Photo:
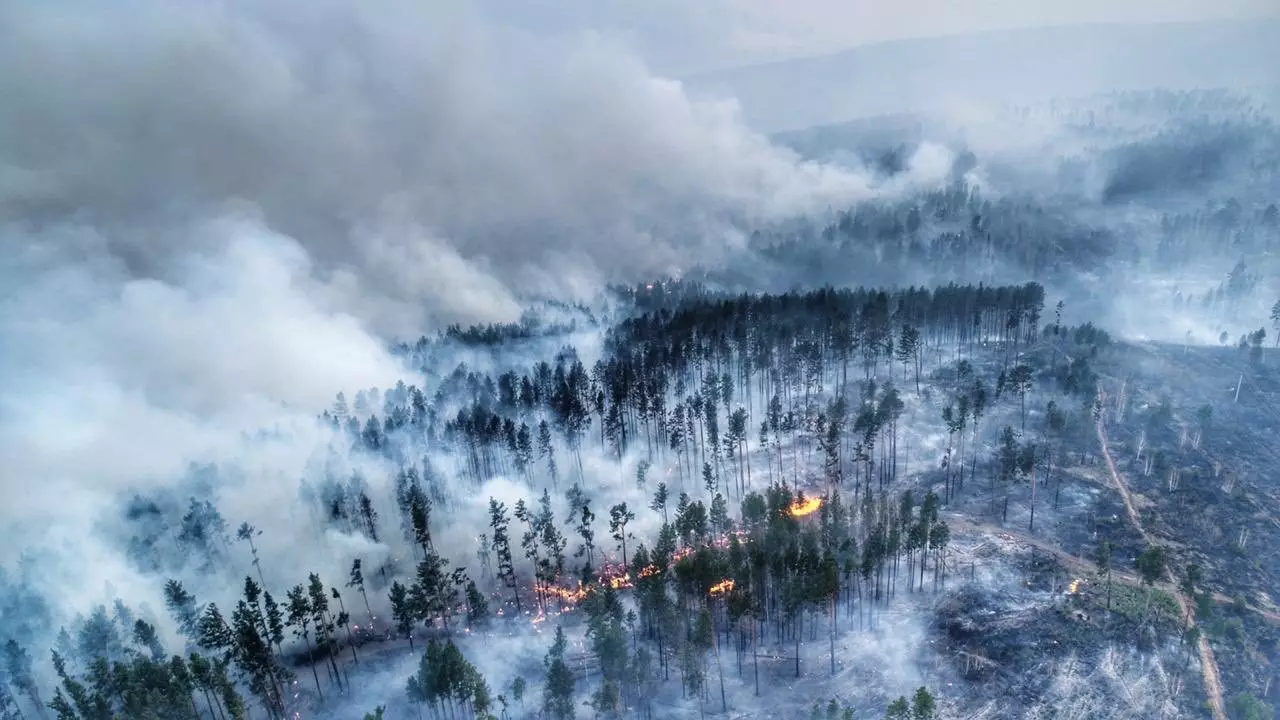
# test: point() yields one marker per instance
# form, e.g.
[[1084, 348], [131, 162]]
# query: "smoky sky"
[[494, 161], [217, 214], [677, 37]]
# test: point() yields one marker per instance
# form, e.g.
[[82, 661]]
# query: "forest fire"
[[617, 577], [566, 595], [1074, 586], [722, 587], [625, 581], [806, 507]]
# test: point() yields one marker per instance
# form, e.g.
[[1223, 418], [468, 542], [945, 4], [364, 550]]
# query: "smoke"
[[114, 384], [382, 139], [216, 214]]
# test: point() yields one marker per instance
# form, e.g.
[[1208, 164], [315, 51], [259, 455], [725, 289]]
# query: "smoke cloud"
[[380, 139], [216, 215]]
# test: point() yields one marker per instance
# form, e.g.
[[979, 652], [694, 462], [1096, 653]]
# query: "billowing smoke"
[[216, 214], [424, 155]]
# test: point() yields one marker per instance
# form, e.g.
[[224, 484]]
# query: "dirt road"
[[1208, 664]]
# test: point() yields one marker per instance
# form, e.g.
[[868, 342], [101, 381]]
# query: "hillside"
[[951, 75]]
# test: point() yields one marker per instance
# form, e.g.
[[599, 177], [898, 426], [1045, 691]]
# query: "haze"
[[353, 276]]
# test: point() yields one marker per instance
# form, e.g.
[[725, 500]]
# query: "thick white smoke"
[[379, 135], [216, 213]]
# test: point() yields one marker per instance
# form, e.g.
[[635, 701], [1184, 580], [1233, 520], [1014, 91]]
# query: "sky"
[[681, 37]]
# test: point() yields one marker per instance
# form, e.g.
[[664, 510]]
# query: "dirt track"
[[1208, 664]]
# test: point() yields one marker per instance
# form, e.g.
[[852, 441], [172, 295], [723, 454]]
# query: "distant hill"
[[948, 73]]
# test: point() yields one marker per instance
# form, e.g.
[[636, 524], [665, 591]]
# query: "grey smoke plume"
[[414, 153], [215, 213]]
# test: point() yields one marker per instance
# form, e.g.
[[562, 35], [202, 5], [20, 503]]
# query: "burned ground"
[[1206, 421]]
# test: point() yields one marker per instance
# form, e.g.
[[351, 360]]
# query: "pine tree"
[[551, 563], [402, 611], [18, 667], [343, 620], [619, 516], [275, 622], [524, 449], [721, 523], [369, 517], [1103, 560], [1021, 381], [1151, 564], [253, 654], [322, 622], [182, 608], [356, 580], [557, 696], [923, 706], [908, 351], [547, 450], [247, 533], [477, 606], [299, 618], [580, 507], [1275, 320], [502, 548], [420, 518], [529, 542], [659, 502]]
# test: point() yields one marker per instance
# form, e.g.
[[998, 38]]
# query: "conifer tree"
[[557, 694], [502, 548]]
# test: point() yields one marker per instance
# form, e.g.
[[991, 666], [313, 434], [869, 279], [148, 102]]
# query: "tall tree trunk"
[[724, 704], [1032, 526], [799, 633], [755, 651], [833, 634], [209, 703], [311, 662]]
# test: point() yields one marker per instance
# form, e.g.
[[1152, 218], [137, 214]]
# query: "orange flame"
[[566, 595], [617, 577], [808, 507], [1074, 587]]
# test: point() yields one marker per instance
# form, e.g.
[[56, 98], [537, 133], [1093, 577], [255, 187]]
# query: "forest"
[[738, 484], [595, 402]]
